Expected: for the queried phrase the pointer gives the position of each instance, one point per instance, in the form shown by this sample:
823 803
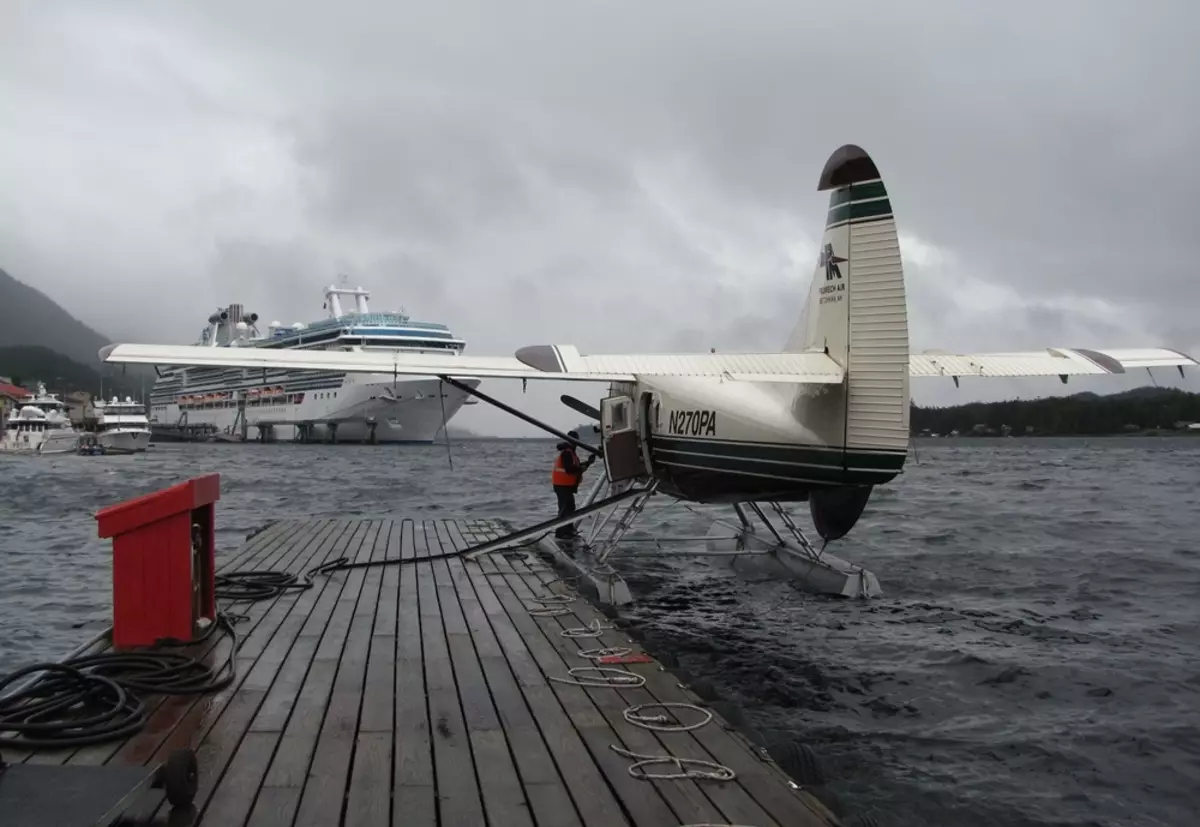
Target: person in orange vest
565 477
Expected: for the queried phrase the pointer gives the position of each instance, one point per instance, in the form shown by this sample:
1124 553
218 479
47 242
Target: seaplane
824 421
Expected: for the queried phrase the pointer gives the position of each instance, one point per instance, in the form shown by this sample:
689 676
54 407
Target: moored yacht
122 426
40 426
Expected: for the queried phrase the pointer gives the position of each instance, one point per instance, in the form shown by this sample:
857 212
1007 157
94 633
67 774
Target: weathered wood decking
428 694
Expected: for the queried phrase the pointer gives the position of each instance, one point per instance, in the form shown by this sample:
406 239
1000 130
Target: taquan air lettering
692 423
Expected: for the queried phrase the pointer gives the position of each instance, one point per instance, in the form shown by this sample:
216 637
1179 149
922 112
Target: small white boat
40 426
122 427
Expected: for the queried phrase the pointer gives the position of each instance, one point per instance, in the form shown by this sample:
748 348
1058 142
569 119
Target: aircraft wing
1055 361
341 361
559 362
810 367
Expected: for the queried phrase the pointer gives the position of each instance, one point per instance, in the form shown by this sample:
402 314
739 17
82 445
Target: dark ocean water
1035 659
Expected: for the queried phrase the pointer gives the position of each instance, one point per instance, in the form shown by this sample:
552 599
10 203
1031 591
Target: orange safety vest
560 476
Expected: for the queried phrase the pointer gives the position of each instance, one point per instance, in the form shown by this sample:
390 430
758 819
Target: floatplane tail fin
856 312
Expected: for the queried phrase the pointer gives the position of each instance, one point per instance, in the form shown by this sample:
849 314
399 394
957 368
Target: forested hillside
1138 410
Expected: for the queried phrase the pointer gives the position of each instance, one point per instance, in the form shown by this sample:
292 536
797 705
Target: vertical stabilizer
857 312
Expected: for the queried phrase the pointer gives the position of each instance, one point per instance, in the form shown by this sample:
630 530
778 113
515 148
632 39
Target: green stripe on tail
858 203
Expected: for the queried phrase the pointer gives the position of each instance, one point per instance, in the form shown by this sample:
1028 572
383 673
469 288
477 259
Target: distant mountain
30 317
28 364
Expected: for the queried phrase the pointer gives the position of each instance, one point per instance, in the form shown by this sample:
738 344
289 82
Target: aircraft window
619 418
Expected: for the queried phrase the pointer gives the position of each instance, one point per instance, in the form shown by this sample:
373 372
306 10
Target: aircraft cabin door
619 435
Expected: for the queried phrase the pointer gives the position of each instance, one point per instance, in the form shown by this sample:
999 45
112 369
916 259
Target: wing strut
518 414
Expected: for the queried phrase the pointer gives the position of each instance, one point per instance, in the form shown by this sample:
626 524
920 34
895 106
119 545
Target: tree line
1137 411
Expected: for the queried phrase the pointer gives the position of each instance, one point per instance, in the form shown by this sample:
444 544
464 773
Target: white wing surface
812 367
541 362
343 361
1049 362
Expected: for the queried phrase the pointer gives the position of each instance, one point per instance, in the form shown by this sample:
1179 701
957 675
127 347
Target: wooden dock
440 692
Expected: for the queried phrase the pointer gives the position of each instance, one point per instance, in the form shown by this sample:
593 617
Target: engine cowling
836 510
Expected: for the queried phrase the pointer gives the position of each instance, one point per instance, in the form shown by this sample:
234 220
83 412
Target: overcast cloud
621 176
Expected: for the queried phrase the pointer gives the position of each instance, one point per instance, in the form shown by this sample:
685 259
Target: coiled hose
90 699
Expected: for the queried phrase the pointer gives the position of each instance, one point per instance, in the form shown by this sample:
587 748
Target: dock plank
458 793
369 799
412 772
500 787
329 773
431 693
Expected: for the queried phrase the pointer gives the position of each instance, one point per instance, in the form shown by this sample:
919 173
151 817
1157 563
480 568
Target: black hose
257 585
91 699
343 564
67 707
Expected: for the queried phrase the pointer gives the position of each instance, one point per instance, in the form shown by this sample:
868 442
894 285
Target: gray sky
614 175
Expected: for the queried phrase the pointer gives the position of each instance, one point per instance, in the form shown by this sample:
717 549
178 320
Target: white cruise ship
283 404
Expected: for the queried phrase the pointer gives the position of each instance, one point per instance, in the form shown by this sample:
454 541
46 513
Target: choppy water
1034 661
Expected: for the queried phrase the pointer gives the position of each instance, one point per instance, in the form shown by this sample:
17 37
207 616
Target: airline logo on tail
830 262
831 293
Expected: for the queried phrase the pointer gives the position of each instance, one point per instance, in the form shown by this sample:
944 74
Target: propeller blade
579 406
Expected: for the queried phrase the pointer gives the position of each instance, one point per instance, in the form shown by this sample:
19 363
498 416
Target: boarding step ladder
642 496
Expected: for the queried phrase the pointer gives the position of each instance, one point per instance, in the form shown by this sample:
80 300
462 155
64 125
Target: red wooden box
163 562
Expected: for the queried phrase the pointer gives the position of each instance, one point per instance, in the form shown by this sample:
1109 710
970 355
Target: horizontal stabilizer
1049 362
812 367
543 362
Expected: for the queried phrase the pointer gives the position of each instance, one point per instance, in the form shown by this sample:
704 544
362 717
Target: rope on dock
714 771
556 605
662 723
597 654
609 678
594 629
619 678
553 605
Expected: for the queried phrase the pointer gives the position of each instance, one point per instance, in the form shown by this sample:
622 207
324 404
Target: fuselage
707 440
